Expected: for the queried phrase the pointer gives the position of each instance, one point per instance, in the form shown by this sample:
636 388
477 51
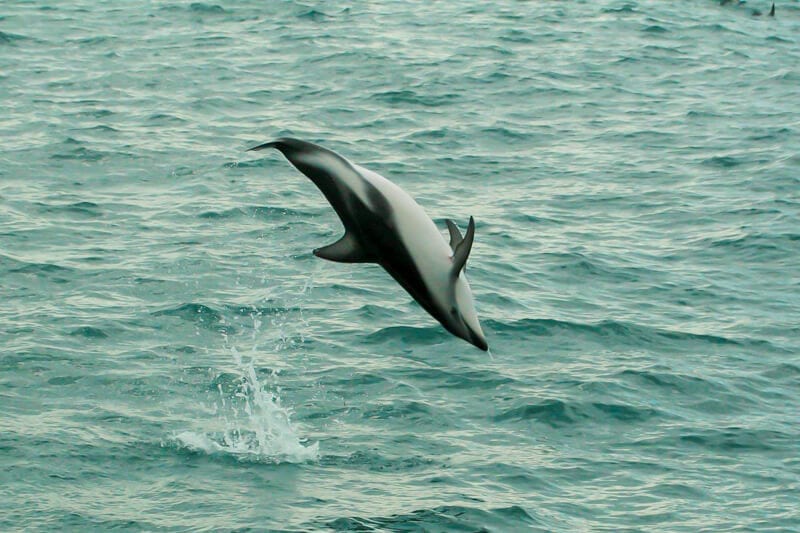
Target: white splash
251 423
255 426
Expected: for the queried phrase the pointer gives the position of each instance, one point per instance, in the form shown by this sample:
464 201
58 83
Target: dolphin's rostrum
384 225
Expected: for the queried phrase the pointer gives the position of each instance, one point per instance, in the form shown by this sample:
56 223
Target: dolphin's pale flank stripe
384 225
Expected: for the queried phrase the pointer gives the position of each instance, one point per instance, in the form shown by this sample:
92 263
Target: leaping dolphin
384 225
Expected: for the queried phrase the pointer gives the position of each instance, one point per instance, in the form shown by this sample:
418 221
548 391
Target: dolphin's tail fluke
270 144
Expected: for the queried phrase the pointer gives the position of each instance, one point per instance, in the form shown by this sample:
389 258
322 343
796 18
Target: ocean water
174 358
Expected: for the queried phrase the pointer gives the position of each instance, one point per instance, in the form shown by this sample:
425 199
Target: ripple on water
201 315
556 413
633 167
446 518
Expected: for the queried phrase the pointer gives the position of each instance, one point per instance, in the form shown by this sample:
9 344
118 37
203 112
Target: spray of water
251 423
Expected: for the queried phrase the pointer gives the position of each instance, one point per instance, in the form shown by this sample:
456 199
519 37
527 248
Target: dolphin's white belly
423 240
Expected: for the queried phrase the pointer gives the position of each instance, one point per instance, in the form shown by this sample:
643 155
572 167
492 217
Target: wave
81 154
558 413
621 332
403 337
377 462
459 379
254 211
732 439
200 315
445 519
581 266
40 269
86 209
89 332
408 96
11 38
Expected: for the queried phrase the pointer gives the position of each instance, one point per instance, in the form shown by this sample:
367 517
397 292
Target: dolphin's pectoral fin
345 250
461 253
455 235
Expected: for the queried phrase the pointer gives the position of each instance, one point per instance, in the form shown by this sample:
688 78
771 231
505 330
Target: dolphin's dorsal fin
461 253
345 250
455 235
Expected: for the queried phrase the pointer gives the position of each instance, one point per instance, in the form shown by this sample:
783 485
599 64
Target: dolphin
384 225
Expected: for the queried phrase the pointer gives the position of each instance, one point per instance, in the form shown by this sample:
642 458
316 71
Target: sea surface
174 358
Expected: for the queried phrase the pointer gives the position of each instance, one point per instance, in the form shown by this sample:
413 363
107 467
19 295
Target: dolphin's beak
478 340
475 338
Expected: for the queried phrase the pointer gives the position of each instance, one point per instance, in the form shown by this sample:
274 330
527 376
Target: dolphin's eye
453 311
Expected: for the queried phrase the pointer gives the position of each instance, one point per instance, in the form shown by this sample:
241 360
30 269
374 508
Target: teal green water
174 358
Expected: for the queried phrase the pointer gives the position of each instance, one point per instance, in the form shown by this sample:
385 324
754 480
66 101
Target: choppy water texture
172 356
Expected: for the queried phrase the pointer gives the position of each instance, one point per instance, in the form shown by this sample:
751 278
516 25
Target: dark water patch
93 113
558 413
406 337
506 134
459 379
625 413
212 40
201 315
100 128
89 332
445 519
672 382
83 209
431 134
695 113
771 134
355 381
63 380
779 39
579 266
94 40
738 439
409 409
628 7
81 154
7 38
517 36
374 312
655 28
313 15
412 97
756 246
718 28
206 9
724 161
554 413
165 119
728 440
42 269
375 462
784 373
529 218
624 334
